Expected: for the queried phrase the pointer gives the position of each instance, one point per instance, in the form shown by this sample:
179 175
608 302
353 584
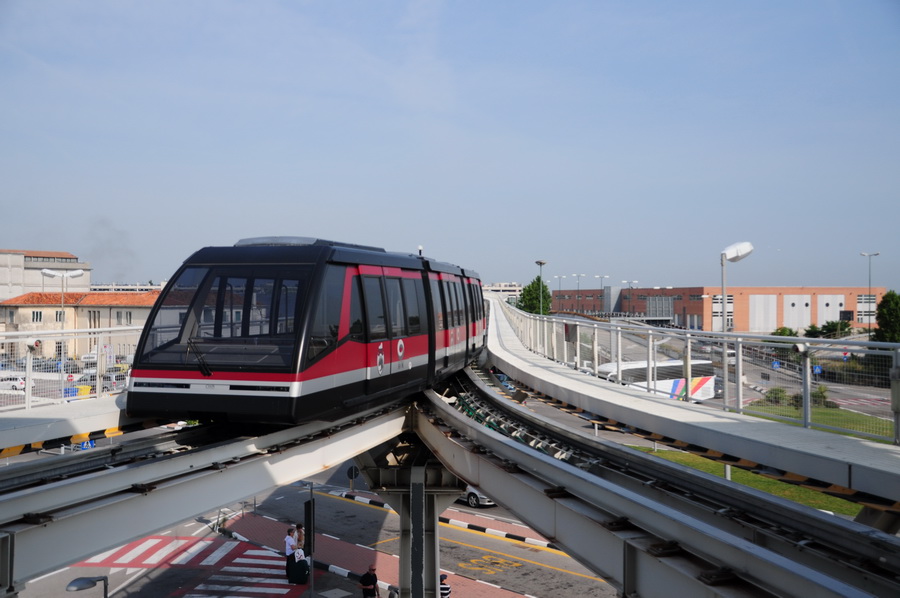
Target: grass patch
837 418
798 494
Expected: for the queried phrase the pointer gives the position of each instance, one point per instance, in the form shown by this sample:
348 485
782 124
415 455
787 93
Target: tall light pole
630 284
62 293
559 287
540 264
732 253
870 298
578 278
601 277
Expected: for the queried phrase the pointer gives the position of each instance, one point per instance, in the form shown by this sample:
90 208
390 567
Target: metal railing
49 368
831 384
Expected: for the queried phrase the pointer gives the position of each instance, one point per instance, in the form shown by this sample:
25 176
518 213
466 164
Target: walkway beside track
842 461
74 422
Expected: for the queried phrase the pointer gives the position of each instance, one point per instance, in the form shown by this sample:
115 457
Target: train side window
439 317
375 314
450 299
414 294
323 328
286 306
357 326
395 307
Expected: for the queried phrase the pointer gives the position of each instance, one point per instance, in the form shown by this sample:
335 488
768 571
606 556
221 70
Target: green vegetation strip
804 496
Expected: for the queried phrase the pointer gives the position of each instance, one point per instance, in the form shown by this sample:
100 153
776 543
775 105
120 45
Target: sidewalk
339 564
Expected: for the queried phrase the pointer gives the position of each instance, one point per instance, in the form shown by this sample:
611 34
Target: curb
455 522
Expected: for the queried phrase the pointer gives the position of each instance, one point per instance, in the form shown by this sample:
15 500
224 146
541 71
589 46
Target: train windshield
229 317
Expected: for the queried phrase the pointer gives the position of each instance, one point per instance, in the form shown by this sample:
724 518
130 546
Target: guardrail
832 384
49 368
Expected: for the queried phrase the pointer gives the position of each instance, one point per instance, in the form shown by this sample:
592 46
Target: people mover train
285 330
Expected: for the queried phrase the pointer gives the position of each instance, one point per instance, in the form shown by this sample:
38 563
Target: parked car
14 383
475 498
70 366
116 381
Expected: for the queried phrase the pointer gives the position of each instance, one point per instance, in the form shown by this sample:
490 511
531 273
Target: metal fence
838 385
61 366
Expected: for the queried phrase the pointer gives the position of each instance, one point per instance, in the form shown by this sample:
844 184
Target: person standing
445 587
369 583
290 545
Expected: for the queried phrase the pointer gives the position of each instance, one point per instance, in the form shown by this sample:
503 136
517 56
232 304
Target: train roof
306 250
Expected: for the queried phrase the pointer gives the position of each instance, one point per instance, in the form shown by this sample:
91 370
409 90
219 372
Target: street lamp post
62 276
732 253
630 284
869 297
578 278
601 277
540 264
559 289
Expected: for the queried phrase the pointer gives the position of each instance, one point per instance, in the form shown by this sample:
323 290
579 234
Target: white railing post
807 410
577 347
739 374
688 373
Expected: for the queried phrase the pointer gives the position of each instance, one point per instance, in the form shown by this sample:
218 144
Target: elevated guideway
848 464
152 493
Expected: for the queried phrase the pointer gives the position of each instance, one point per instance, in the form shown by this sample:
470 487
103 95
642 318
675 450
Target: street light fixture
62 293
601 289
578 278
62 276
559 288
732 253
85 583
540 264
869 298
630 284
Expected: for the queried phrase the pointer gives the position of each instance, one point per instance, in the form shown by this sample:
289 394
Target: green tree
887 316
785 331
835 329
531 298
813 331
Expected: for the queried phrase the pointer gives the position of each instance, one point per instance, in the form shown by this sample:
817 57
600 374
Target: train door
378 345
439 318
476 319
400 352
456 328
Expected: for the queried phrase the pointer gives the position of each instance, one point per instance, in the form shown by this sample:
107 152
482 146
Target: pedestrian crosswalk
236 568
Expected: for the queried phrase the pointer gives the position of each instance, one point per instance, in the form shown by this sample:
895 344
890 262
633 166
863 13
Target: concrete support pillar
419 508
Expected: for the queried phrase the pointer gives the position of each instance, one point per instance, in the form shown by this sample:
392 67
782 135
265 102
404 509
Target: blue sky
629 139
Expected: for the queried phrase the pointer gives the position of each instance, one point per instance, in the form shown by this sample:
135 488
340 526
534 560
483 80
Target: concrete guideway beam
149 496
620 534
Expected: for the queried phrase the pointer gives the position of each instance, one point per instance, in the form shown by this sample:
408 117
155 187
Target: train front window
229 317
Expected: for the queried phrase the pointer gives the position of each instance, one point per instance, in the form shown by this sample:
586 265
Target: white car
14 383
475 498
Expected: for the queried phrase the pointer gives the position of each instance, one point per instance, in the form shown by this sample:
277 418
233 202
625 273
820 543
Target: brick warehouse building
758 310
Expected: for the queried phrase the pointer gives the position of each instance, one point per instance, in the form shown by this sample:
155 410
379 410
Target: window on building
37 316
60 315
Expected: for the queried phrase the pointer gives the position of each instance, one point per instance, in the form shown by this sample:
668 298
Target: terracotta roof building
46 314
